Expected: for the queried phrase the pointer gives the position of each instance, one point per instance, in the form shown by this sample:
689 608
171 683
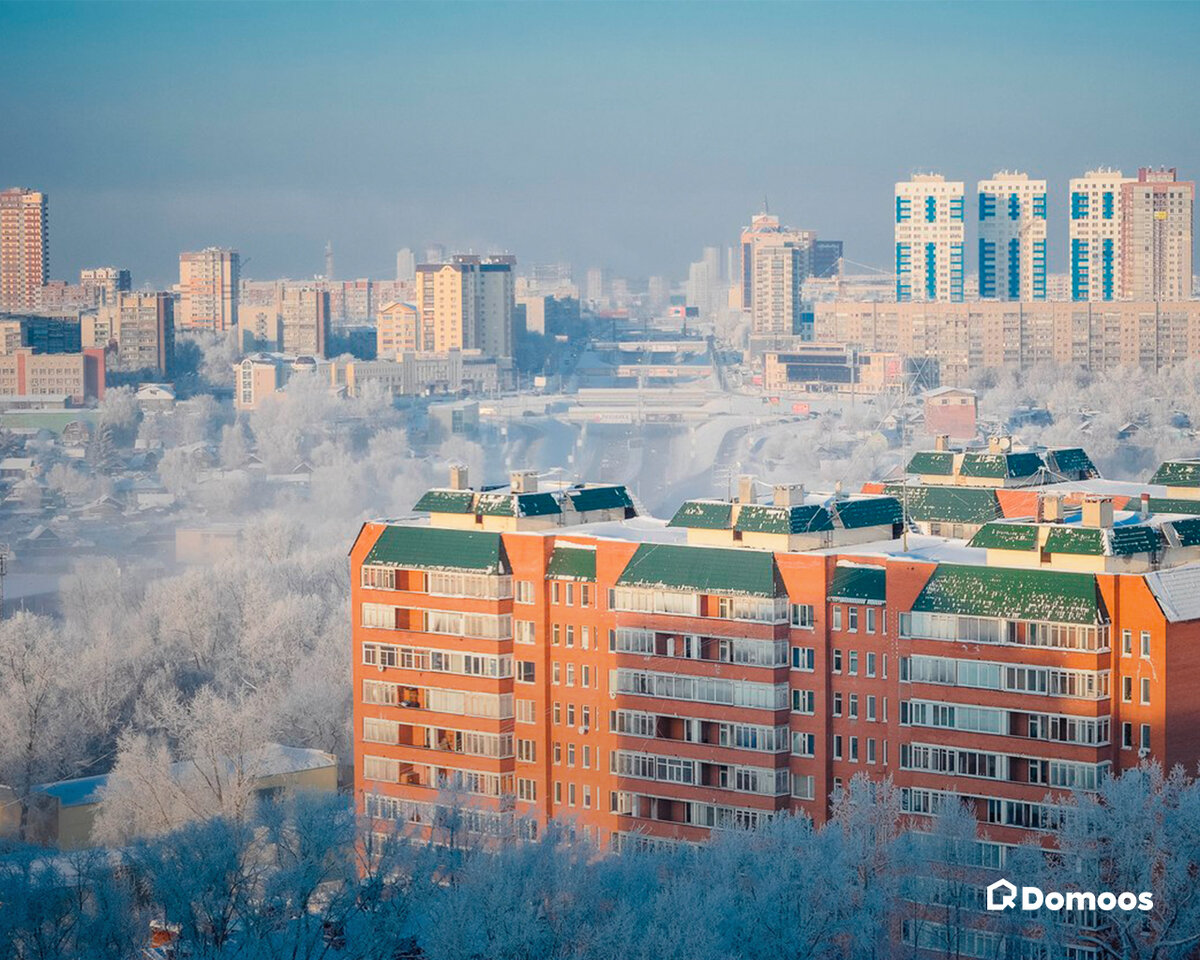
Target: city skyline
616 187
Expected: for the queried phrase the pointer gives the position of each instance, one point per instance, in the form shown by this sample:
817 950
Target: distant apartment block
1012 237
1095 235
467 304
930 239
827 258
260 376
961 339
776 261
208 290
24 247
425 373
303 321
102 284
1156 236
397 330
137 329
834 368
79 377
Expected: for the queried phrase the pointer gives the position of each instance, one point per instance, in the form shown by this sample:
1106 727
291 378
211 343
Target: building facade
102 284
930 239
397 330
76 376
138 330
1095 235
208 289
776 261
303 321
467 304
1012 237
1156 236
545 654
24 247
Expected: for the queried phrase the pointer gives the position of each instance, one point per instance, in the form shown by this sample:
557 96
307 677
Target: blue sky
628 135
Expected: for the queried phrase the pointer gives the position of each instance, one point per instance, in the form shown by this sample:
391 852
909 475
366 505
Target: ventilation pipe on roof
745 489
458 477
1050 508
1097 512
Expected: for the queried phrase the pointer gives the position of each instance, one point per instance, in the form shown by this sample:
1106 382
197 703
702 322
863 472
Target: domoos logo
1003 895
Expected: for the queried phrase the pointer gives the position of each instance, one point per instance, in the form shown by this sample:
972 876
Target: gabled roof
1177 591
1174 505
858 583
706 515
1178 473
1073 460
1006 536
445 501
868 512
1001 466
1012 593
765 518
600 498
703 569
931 462
571 562
506 504
1187 531
949 504
432 548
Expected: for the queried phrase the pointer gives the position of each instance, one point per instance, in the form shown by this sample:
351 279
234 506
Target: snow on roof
1177 591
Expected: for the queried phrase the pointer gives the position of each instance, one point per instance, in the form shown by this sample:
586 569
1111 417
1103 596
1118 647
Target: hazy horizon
559 132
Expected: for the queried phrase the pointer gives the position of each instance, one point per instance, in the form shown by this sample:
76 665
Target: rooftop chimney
1050 506
458 477
1145 505
523 481
1097 511
788 494
745 489
941 442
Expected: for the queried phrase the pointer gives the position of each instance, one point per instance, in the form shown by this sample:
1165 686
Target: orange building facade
548 654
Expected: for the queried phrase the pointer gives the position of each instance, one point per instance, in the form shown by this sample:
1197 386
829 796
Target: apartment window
870 707
854 663
586 721
587 799
570 794
1127 643
555 672
527 751
802 616
526 671
837 618
803 787
1145 690
585 595
570 714
570 754
870 619
585 637
803 744
1145 736
837 661
557 712
883 620
854 706
870 750
852 619
557 753
885 666
1127 689
555 634
570 635
612 641
570 674
555 590
558 791
587 675
854 749
1127 736
837 704
804 701
523 591
587 756
570 594
804 658
526 711
870 664
524 631
837 746
526 789
1145 644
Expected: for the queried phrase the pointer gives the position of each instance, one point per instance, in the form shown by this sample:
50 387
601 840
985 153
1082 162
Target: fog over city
536 480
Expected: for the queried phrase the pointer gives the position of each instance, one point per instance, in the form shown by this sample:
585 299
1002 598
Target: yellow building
467 304
397 330
208 289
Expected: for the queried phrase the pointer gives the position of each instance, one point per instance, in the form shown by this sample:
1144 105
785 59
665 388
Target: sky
609 134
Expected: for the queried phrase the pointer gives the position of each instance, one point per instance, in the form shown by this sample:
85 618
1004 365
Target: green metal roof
445 501
431 548
950 504
930 462
703 515
1178 473
569 562
1174 505
1000 466
1088 541
1133 538
1188 531
858 584
765 518
1006 536
703 569
507 504
495 505
600 498
1074 460
537 505
868 512
1013 594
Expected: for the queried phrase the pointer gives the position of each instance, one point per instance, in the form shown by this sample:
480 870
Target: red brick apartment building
549 653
